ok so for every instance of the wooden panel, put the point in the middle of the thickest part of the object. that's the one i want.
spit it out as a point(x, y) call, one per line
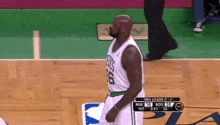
point(52, 92)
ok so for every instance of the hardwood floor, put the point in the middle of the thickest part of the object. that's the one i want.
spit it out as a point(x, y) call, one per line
point(52, 92)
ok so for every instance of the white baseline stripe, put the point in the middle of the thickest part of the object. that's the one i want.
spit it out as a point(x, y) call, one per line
point(103, 59)
point(52, 59)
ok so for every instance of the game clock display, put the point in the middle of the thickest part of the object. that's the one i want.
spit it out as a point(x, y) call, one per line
point(158, 104)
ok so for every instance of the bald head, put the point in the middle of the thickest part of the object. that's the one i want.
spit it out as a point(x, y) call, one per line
point(121, 27)
point(125, 18)
point(124, 21)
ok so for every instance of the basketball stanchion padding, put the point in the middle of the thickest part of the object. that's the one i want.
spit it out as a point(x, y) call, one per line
point(36, 45)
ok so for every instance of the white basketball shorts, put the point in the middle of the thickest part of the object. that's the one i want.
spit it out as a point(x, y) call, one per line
point(126, 116)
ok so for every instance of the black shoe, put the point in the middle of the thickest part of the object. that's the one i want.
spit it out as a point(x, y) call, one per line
point(171, 47)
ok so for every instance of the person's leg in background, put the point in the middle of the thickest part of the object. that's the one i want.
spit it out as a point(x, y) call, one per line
point(207, 7)
point(198, 10)
point(199, 15)
point(160, 40)
point(212, 9)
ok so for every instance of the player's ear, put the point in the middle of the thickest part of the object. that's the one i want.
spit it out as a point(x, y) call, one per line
point(123, 30)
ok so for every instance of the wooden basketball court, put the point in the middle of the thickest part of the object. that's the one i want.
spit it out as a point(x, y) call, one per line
point(51, 92)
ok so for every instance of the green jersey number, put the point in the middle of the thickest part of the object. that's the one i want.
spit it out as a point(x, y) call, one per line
point(110, 77)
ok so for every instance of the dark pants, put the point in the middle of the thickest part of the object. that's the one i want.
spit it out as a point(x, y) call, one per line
point(198, 10)
point(201, 9)
point(159, 39)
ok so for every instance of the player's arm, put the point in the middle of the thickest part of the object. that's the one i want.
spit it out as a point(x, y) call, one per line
point(131, 61)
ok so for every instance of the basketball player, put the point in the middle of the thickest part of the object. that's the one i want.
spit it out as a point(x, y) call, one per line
point(125, 76)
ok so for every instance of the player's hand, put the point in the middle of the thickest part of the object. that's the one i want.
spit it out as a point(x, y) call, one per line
point(111, 115)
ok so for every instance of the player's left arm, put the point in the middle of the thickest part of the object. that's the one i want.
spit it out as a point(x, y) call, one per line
point(131, 61)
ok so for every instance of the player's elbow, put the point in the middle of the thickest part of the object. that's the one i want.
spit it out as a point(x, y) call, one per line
point(138, 88)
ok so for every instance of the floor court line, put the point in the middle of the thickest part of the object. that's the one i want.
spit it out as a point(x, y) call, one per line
point(104, 59)
point(201, 107)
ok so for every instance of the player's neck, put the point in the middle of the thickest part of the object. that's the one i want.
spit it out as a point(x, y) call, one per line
point(121, 40)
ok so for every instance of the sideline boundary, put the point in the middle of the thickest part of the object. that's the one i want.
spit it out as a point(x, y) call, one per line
point(104, 59)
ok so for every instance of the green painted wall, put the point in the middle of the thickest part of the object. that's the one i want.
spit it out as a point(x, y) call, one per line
point(71, 33)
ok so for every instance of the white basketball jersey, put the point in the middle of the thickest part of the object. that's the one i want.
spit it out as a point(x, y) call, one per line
point(116, 74)
point(2, 122)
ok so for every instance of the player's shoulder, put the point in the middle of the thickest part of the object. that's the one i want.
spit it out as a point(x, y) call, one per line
point(131, 56)
point(131, 49)
point(131, 53)
point(131, 46)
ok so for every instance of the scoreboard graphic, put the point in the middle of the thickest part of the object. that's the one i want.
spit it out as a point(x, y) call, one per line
point(158, 104)
point(91, 112)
